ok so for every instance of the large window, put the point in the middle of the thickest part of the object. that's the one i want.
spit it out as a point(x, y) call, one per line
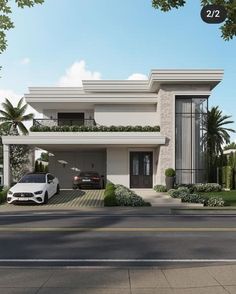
point(190, 155)
point(70, 118)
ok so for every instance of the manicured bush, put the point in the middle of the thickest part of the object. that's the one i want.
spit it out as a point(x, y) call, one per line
point(193, 198)
point(184, 189)
point(109, 195)
point(215, 202)
point(96, 128)
point(3, 195)
point(126, 197)
point(207, 187)
point(189, 186)
point(227, 177)
point(178, 193)
point(169, 172)
point(160, 188)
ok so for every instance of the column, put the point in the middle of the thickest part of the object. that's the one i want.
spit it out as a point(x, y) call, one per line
point(6, 165)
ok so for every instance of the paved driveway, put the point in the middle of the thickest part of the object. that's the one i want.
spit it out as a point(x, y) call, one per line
point(66, 199)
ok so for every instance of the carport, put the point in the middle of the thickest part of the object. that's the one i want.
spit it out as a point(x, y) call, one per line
point(66, 163)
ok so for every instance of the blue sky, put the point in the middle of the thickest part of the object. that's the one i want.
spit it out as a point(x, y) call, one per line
point(63, 41)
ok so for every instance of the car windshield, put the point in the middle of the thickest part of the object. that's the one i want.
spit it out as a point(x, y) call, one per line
point(33, 178)
point(89, 174)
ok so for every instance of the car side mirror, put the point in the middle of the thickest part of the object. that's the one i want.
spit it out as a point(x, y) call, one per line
point(49, 181)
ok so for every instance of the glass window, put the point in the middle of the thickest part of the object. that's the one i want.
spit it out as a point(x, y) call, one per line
point(190, 154)
point(147, 165)
point(135, 165)
point(33, 178)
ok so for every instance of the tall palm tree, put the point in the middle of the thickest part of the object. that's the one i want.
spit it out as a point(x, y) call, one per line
point(217, 134)
point(13, 118)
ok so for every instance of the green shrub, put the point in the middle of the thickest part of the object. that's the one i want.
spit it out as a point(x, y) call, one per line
point(126, 197)
point(193, 198)
point(160, 188)
point(110, 199)
point(109, 195)
point(189, 186)
point(215, 202)
point(227, 177)
point(178, 193)
point(184, 189)
point(3, 195)
point(208, 187)
point(171, 191)
point(96, 128)
point(169, 172)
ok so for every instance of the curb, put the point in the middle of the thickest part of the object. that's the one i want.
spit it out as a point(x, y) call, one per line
point(204, 211)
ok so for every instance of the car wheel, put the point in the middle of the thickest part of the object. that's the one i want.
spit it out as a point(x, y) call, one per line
point(45, 198)
point(74, 187)
point(58, 189)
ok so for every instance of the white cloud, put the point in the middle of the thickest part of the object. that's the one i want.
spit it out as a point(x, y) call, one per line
point(25, 60)
point(76, 73)
point(10, 95)
point(137, 76)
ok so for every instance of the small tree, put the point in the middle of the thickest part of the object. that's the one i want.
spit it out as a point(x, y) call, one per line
point(19, 160)
point(36, 166)
point(40, 167)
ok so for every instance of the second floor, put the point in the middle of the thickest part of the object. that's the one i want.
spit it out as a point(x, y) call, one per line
point(121, 103)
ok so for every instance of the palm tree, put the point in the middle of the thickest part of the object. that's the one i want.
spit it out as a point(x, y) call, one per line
point(215, 137)
point(13, 118)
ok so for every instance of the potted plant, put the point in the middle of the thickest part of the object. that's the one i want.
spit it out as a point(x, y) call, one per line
point(170, 178)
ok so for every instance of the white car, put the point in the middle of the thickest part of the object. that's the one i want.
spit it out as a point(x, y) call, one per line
point(36, 187)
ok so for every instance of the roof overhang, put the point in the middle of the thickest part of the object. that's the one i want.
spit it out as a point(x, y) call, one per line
point(121, 91)
point(87, 138)
point(162, 77)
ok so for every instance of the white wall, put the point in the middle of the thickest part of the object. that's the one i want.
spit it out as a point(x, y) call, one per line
point(123, 114)
point(117, 166)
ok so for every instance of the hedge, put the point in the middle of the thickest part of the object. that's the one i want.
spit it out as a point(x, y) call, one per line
point(160, 188)
point(119, 195)
point(227, 177)
point(3, 195)
point(109, 195)
point(38, 128)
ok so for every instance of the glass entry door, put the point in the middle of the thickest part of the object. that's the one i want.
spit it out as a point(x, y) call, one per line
point(141, 170)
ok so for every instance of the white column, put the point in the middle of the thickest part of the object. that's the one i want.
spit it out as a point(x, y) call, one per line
point(6, 165)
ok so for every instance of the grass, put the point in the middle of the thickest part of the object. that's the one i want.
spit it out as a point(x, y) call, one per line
point(228, 196)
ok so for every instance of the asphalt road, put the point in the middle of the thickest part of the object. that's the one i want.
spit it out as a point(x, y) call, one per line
point(73, 239)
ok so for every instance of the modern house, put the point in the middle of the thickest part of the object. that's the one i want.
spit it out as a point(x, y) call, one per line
point(127, 130)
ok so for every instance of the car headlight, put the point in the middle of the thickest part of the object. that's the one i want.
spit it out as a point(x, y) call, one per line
point(10, 192)
point(38, 192)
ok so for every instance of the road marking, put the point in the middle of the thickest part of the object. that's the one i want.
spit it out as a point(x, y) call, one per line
point(113, 230)
point(65, 214)
point(45, 260)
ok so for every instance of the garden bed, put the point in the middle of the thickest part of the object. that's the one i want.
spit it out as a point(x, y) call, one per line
point(229, 197)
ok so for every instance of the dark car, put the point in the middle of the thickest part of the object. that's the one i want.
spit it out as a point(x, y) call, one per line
point(88, 179)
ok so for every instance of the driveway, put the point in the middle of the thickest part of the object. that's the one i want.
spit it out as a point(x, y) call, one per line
point(65, 200)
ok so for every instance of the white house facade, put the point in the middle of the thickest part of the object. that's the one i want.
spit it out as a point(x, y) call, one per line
point(128, 131)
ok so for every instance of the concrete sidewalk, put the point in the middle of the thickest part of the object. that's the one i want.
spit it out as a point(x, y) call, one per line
point(185, 280)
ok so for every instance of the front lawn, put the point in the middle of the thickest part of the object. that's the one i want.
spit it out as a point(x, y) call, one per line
point(228, 196)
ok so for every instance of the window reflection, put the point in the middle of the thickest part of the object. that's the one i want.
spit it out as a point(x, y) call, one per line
point(147, 165)
point(135, 167)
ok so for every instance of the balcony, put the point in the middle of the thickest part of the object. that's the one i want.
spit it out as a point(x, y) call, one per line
point(85, 125)
point(45, 122)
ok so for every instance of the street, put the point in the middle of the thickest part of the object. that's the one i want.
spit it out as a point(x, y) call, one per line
point(74, 239)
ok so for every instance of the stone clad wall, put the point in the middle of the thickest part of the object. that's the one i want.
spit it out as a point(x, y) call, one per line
point(166, 107)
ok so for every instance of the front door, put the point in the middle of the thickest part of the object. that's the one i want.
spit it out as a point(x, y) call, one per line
point(141, 169)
